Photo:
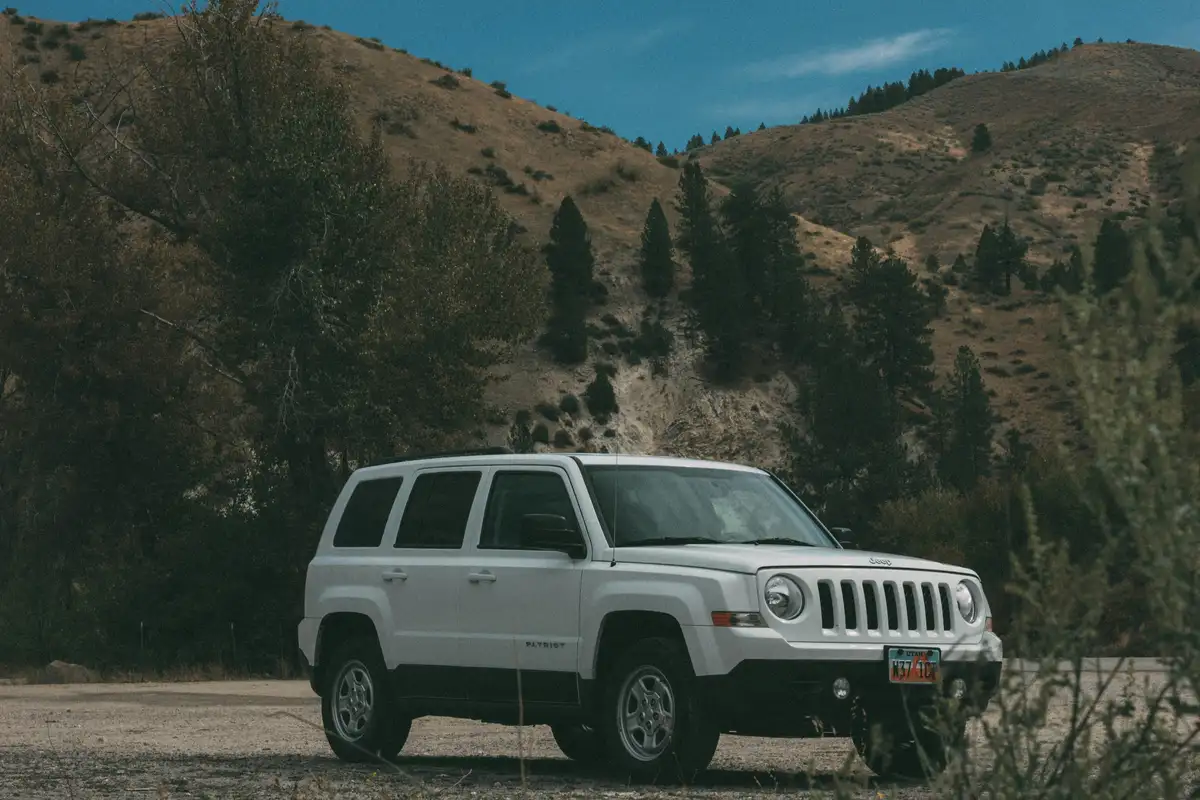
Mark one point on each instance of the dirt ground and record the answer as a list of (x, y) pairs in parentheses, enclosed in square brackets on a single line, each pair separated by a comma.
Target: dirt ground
[(261, 739)]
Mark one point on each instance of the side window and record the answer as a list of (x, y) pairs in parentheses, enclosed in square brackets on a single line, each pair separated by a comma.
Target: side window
[(437, 510), (366, 513), (515, 494)]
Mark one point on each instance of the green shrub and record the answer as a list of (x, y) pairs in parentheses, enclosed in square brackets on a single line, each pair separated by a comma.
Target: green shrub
[(562, 439), (446, 81), (145, 16), (600, 396), (50, 76), (541, 433), (488, 152), (76, 52), (569, 404), (547, 410), (549, 126)]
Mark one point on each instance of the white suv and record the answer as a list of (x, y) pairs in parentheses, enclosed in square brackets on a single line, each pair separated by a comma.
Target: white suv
[(639, 606)]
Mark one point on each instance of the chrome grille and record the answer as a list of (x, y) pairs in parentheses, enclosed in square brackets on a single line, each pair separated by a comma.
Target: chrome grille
[(906, 607)]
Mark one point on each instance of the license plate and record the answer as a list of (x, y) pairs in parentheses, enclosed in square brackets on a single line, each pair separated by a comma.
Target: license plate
[(914, 665)]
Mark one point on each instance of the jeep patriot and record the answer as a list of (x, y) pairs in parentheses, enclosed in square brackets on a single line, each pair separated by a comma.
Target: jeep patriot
[(639, 606)]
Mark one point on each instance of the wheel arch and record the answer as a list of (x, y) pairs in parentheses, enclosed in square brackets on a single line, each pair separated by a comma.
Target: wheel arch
[(336, 628)]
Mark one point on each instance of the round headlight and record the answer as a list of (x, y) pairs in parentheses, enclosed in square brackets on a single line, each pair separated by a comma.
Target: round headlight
[(965, 599), (783, 597)]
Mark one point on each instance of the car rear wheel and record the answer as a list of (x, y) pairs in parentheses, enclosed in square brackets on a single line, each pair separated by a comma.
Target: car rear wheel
[(356, 705)]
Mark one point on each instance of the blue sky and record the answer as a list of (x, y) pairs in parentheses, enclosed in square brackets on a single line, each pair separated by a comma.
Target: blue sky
[(666, 70)]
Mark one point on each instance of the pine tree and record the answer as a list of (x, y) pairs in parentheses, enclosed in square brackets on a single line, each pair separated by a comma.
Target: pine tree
[(657, 256), (891, 319), (642, 143), (999, 255), (696, 141), (762, 235), (661, 150), (932, 264), (982, 140), (965, 423), (850, 453), (571, 262), (1113, 258), (762, 126), (716, 137), (960, 266), (718, 293)]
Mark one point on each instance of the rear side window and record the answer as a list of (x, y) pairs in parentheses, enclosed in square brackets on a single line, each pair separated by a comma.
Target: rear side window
[(366, 513), (437, 510)]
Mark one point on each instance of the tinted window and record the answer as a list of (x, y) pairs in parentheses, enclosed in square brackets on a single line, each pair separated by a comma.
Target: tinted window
[(515, 494), (437, 510), (366, 513)]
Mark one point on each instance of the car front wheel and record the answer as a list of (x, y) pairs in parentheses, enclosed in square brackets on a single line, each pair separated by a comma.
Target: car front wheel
[(652, 724), (356, 707)]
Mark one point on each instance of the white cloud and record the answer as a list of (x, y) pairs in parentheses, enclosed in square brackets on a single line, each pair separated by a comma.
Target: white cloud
[(872, 54), (605, 44)]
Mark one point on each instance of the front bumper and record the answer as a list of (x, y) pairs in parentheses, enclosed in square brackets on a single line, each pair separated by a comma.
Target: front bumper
[(793, 698)]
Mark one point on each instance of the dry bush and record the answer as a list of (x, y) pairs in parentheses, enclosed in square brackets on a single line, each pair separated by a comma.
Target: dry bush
[(1069, 727)]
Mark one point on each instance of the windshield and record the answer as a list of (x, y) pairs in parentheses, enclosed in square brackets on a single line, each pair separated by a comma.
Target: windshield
[(689, 505)]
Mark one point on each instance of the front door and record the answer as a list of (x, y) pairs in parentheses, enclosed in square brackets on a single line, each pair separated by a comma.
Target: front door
[(518, 608)]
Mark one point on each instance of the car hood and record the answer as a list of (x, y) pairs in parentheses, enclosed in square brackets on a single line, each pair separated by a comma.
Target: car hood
[(749, 558)]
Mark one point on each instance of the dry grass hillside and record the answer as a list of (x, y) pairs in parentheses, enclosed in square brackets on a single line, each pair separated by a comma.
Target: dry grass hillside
[(532, 157), (1094, 132), (904, 177)]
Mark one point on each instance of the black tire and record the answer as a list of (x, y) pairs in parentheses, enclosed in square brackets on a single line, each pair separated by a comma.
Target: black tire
[(892, 741), (367, 729), (580, 743), (684, 751)]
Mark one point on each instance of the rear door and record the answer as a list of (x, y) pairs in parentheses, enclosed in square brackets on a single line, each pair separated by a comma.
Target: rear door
[(423, 577), (519, 609)]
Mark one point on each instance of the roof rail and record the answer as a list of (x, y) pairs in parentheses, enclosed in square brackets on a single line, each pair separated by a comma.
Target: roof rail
[(499, 450)]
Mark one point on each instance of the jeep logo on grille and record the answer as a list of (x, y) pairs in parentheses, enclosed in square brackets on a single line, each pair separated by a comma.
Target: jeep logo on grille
[(883, 562)]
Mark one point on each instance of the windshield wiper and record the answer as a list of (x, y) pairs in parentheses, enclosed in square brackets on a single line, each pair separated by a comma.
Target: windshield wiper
[(670, 540), (777, 540)]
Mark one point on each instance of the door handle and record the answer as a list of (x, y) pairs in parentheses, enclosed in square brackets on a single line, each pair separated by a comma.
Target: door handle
[(395, 575), (481, 577)]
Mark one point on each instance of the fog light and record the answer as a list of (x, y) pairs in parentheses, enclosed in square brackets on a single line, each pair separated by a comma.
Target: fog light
[(958, 688), (841, 688)]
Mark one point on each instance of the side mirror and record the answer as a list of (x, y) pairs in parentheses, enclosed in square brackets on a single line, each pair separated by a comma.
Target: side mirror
[(552, 532), (845, 537)]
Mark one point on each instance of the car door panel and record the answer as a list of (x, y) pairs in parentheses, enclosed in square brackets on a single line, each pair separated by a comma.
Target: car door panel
[(525, 618)]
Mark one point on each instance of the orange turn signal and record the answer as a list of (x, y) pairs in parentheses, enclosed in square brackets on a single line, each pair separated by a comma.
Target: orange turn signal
[(738, 619)]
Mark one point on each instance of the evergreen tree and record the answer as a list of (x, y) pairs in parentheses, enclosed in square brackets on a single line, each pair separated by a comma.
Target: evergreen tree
[(657, 256), (965, 425), (960, 266), (642, 143), (570, 259), (982, 140), (762, 126), (850, 453), (716, 137), (891, 319), (718, 293), (661, 150), (999, 255), (762, 235), (696, 141), (1113, 257), (932, 264)]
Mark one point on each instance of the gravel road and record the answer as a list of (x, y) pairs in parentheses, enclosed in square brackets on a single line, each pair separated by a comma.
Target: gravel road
[(261, 739)]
